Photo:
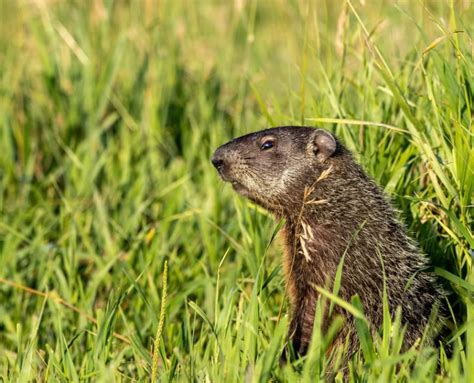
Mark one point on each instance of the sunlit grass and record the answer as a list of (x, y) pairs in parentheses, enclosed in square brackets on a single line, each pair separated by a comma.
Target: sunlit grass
[(109, 114)]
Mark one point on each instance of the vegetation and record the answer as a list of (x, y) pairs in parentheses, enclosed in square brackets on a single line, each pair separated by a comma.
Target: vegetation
[(109, 113)]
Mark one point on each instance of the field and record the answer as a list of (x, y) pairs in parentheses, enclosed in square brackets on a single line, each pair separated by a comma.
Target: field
[(125, 258)]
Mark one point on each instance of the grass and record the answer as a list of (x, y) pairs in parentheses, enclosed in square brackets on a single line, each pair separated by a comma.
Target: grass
[(109, 113)]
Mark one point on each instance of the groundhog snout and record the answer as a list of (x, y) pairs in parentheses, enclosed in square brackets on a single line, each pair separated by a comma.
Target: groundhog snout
[(224, 161), (219, 160)]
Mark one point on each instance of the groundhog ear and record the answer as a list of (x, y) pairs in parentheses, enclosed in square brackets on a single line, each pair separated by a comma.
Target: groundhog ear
[(324, 145)]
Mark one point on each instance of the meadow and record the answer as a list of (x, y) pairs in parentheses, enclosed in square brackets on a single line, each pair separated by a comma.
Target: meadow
[(125, 258)]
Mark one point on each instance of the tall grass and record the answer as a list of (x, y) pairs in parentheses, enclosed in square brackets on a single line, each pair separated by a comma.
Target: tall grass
[(109, 112)]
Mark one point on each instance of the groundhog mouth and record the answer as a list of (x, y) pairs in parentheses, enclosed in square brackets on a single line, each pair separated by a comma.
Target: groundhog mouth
[(228, 178), (238, 187)]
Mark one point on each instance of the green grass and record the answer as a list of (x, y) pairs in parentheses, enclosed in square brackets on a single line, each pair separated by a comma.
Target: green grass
[(109, 113)]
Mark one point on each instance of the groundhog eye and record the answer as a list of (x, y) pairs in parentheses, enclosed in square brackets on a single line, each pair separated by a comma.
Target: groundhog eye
[(267, 145)]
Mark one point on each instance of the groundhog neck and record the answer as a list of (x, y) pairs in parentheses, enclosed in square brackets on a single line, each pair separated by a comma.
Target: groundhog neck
[(336, 212)]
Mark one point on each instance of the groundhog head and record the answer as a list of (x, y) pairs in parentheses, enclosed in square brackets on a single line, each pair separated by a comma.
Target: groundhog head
[(273, 167)]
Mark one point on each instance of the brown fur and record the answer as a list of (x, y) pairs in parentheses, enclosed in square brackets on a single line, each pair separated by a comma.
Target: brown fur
[(331, 207)]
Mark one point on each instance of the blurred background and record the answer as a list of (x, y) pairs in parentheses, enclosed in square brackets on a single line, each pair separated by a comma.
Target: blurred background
[(109, 113)]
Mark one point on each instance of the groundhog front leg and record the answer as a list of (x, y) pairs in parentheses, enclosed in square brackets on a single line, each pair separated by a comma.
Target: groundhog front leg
[(300, 331), (294, 345), (295, 336)]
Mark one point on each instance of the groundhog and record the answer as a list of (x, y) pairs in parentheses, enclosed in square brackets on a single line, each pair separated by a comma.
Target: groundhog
[(331, 208)]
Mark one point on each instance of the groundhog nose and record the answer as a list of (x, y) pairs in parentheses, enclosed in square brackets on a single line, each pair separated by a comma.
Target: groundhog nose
[(217, 162)]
